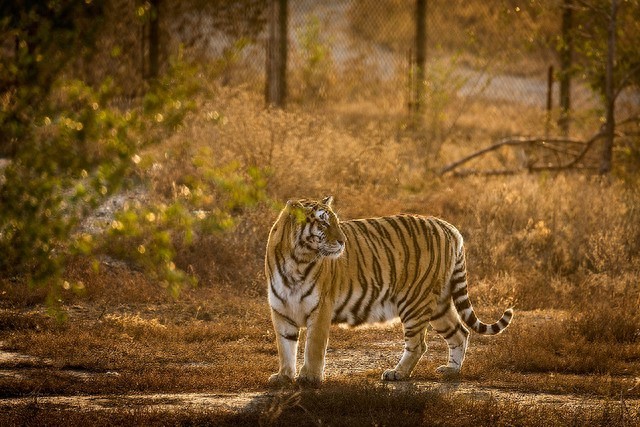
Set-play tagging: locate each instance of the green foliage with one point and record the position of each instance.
(590, 40)
(79, 151)
(148, 236)
(172, 97)
(151, 235)
(78, 154)
(42, 37)
(438, 99)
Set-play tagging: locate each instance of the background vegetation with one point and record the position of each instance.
(141, 216)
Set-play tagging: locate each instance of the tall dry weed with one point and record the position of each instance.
(543, 228)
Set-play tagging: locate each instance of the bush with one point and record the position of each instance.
(81, 153)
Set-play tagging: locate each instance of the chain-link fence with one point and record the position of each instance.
(485, 61)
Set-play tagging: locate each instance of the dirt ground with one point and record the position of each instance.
(343, 361)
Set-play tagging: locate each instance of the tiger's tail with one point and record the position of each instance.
(460, 297)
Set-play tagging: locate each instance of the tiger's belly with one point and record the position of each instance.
(357, 314)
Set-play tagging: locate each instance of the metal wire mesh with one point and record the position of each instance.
(480, 55)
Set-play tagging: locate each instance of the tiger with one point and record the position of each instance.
(322, 271)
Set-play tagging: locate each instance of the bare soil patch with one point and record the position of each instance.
(355, 360)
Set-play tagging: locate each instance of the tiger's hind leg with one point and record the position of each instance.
(448, 325)
(414, 347)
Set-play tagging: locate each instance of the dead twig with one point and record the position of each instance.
(524, 141)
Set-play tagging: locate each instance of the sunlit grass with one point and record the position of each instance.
(563, 249)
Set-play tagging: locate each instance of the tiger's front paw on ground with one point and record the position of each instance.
(448, 372)
(280, 380)
(310, 381)
(392, 375)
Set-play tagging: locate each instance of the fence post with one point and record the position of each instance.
(421, 54)
(549, 99)
(610, 124)
(276, 81)
(154, 39)
(566, 60)
(150, 34)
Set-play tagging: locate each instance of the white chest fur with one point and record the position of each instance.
(296, 299)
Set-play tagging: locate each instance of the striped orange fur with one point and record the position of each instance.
(321, 270)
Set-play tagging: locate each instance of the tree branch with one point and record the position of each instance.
(523, 141)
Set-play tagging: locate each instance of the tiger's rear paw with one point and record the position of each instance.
(392, 375)
(448, 372)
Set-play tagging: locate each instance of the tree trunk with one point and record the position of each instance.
(607, 151)
(154, 40)
(566, 63)
(421, 54)
(276, 82)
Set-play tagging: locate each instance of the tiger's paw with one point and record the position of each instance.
(448, 372)
(392, 375)
(310, 381)
(280, 380)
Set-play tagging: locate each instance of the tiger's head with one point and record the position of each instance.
(316, 229)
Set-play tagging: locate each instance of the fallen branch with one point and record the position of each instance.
(506, 172)
(523, 141)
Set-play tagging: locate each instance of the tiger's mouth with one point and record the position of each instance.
(332, 251)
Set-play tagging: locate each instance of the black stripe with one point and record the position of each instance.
(471, 319)
(273, 291)
(425, 311)
(285, 317)
(441, 332)
(387, 245)
(409, 333)
(309, 292)
(392, 222)
(439, 314)
(362, 278)
(291, 337)
(419, 291)
(338, 312)
(437, 246)
(460, 292)
(457, 280)
(308, 270)
(462, 305)
(306, 319)
(384, 233)
(269, 264)
(409, 223)
(279, 266)
(452, 333)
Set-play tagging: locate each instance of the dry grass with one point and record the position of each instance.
(563, 248)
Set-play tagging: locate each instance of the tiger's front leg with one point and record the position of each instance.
(312, 371)
(287, 341)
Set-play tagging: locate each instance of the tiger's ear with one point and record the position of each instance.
(328, 200)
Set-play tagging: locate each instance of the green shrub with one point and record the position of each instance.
(80, 152)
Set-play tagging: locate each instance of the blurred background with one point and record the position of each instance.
(146, 148)
(545, 58)
(128, 125)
